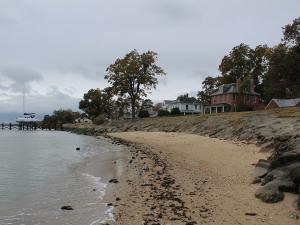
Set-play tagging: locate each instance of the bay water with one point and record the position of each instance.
(40, 171)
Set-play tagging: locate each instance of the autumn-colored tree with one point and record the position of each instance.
(96, 102)
(134, 76)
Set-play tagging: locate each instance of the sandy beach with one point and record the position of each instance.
(177, 178)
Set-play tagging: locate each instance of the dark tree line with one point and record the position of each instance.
(274, 70)
(60, 116)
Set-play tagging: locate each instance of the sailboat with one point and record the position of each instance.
(26, 117)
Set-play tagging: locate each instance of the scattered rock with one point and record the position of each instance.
(66, 207)
(118, 199)
(109, 204)
(269, 194)
(114, 180)
(191, 223)
(250, 214)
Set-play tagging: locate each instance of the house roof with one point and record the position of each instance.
(230, 88)
(182, 100)
(168, 101)
(187, 100)
(285, 102)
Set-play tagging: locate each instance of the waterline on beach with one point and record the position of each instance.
(40, 172)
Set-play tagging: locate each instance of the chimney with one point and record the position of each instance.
(238, 85)
(252, 86)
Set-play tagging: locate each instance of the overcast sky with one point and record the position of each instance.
(59, 49)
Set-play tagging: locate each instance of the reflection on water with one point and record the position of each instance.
(40, 171)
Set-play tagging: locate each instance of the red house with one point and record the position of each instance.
(229, 97)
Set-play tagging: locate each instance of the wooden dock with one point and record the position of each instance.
(29, 126)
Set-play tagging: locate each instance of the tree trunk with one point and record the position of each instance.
(133, 108)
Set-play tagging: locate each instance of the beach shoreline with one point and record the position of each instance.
(177, 178)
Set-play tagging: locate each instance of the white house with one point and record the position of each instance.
(186, 105)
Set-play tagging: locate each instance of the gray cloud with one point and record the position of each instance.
(18, 79)
(6, 20)
(176, 10)
(61, 48)
(11, 105)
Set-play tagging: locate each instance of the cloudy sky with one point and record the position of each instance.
(56, 50)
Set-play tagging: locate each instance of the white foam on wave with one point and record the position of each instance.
(96, 184)
(100, 188)
(109, 217)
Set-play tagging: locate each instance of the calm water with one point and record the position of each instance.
(40, 171)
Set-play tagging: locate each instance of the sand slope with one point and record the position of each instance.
(226, 168)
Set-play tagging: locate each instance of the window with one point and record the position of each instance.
(187, 107)
(195, 106)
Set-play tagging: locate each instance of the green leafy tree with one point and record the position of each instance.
(243, 62)
(209, 85)
(134, 75)
(186, 95)
(144, 114)
(147, 104)
(291, 33)
(236, 65)
(175, 111)
(64, 116)
(96, 102)
(157, 107)
(58, 117)
(163, 112)
(260, 66)
(121, 106)
(282, 79)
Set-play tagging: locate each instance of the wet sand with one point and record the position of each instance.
(176, 178)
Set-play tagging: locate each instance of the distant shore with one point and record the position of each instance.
(176, 178)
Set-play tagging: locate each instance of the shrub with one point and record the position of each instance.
(100, 119)
(175, 111)
(243, 108)
(163, 113)
(144, 114)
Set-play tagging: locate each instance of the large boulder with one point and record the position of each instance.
(295, 175)
(288, 157)
(262, 168)
(269, 193)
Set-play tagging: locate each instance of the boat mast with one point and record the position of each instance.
(23, 99)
